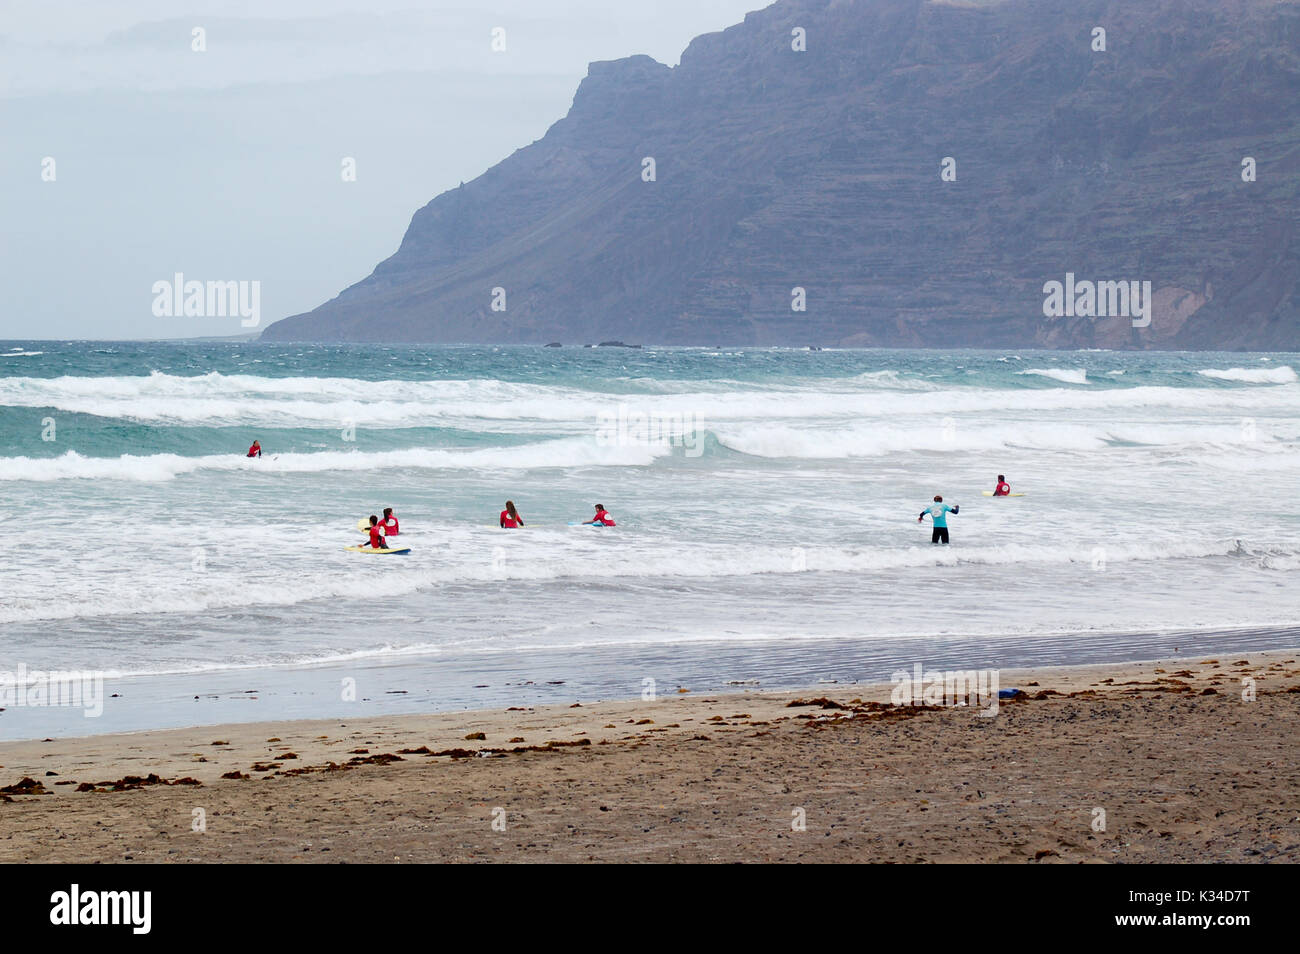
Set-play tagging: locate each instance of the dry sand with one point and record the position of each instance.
(1168, 755)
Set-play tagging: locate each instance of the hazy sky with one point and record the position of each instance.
(225, 164)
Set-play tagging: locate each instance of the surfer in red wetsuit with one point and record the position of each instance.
(255, 450)
(377, 534)
(602, 517)
(389, 522)
(510, 517)
(1003, 488)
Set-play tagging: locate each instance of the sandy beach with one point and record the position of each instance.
(1169, 761)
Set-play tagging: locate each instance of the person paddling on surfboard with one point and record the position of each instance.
(255, 450)
(938, 512)
(377, 540)
(1003, 488)
(510, 517)
(602, 517)
(390, 522)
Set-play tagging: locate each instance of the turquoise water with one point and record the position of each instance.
(763, 497)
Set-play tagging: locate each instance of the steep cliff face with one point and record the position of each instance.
(776, 169)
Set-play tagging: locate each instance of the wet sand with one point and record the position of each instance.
(1142, 762)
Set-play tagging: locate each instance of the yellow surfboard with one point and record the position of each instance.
(391, 550)
(989, 493)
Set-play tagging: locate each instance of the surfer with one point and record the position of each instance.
(255, 450)
(510, 517)
(377, 540)
(390, 522)
(938, 512)
(1003, 489)
(602, 517)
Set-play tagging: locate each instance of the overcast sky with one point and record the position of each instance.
(225, 164)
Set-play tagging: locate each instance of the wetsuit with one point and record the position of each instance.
(939, 514)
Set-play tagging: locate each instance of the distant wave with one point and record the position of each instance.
(1065, 375)
(497, 406)
(562, 452)
(873, 439)
(1279, 375)
(20, 354)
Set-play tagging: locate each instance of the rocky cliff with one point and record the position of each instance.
(777, 169)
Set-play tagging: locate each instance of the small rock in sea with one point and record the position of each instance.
(476, 735)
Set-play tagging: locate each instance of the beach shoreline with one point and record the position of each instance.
(402, 684)
(1167, 749)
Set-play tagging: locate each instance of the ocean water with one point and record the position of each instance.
(766, 502)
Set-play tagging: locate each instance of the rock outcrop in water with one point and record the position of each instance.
(776, 170)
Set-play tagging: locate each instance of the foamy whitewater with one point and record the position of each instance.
(764, 498)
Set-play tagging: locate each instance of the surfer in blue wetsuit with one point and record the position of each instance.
(938, 512)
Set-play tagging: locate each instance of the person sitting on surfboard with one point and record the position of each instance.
(377, 539)
(938, 511)
(510, 517)
(390, 522)
(1003, 488)
(602, 517)
(255, 450)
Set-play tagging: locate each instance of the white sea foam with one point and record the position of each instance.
(563, 452)
(366, 580)
(873, 439)
(1279, 375)
(493, 406)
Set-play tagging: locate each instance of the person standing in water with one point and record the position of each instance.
(602, 517)
(510, 517)
(1003, 488)
(255, 450)
(938, 512)
(390, 522)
